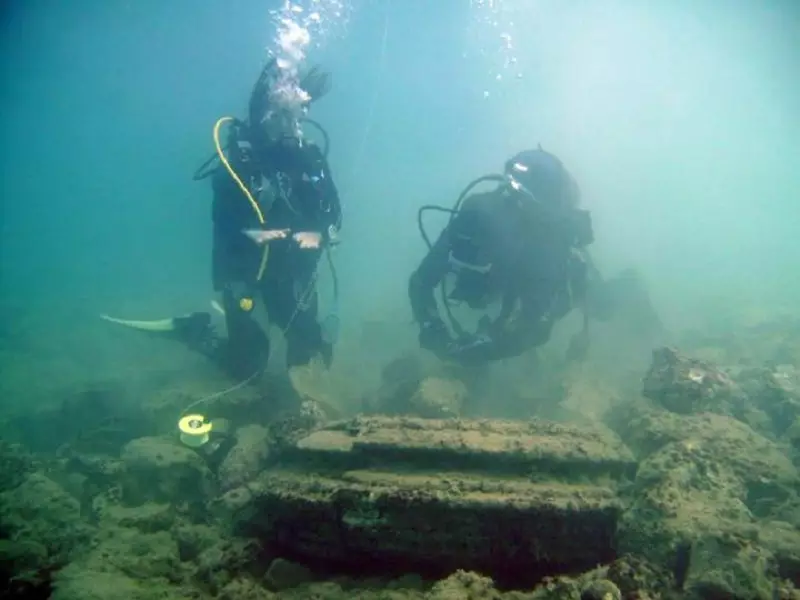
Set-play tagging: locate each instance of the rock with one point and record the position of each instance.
(315, 390)
(689, 386)
(412, 387)
(22, 562)
(233, 506)
(464, 585)
(400, 379)
(97, 416)
(776, 391)
(42, 525)
(192, 540)
(100, 469)
(792, 434)
(601, 589)
(161, 470)
(147, 518)
(15, 464)
(637, 578)
(438, 398)
(712, 482)
(283, 574)
(493, 496)
(244, 588)
(730, 568)
(783, 540)
(221, 561)
(136, 554)
(247, 457)
(75, 583)
(766, 398)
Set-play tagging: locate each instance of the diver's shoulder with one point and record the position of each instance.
(483, 200)
(313, 149)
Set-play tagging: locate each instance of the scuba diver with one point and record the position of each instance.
(275, 211)
(522, 246)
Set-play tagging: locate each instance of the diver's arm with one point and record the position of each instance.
(595, 301)
(333, 216)
(230, 210)
(235, 258)
(586, 281)
(423, 281)
(530, 328)
(329, 214)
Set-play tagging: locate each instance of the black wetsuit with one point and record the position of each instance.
(538, 272)
(293, 186)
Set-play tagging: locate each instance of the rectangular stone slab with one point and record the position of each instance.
(440, 521)
(547, 448)
(494, 496)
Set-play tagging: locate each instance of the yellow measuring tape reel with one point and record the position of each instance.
(195, 430)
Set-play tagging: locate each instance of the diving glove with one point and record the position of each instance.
(433, 336)
(471, 350)
(196, 331)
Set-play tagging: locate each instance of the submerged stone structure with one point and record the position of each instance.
(505, 498)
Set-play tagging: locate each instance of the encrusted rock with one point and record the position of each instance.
(438, 398)
(464, 585)
(246, 458)
(602, 589)
(712, 483)
(776, 391)
(635, 577)
(147, 518)
(245, 587)
(77, 583)
(42, 527)
(727, 567)
(410, 386)
(233, 506)
(283, 574)
(161, 470)
(496, 496)
(15, 465)
(315, 390)
(687, 385)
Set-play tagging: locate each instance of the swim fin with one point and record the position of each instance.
(160, 325)
(194, 330)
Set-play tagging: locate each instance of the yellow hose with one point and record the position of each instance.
(244, 189)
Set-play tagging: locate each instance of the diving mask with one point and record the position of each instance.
(517, 185)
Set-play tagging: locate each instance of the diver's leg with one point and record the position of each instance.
(304, 336)
(246, 350)
(196, 331)
(293, 307)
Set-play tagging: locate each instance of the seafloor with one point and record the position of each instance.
(673, 474)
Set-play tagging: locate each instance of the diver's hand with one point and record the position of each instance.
(262, 236)
(308, 240)
(433, 336)
(471, 350)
